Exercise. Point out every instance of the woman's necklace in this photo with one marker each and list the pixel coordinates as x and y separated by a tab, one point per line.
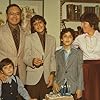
91	43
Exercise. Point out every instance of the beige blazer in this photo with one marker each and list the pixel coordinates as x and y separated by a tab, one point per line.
33	49
8	49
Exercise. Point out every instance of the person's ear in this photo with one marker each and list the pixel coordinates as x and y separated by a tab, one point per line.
61	39
1	71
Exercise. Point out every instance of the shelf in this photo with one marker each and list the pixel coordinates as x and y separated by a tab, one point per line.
66	20
82	1
71	10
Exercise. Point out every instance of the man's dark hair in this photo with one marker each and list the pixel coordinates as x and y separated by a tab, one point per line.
12	5
5	62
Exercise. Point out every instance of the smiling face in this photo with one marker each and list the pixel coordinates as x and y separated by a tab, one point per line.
13	15
67	39
8	70
39	26
86	27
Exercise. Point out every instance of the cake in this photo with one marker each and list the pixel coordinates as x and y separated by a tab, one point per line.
58	97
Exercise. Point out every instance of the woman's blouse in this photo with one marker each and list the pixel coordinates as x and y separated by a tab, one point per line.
89	45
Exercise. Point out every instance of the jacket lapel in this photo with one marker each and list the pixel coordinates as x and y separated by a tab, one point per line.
21	41
47	45
62	58
47	41
37	42
9	39
70	58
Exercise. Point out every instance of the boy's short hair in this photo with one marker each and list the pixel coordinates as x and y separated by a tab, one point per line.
5	62
65	30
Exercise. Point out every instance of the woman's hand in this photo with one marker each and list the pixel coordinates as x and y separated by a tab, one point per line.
37	62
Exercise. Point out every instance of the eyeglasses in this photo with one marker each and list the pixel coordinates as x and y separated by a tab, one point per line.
14	14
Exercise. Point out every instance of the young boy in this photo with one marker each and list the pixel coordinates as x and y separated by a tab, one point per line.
12	86
69	65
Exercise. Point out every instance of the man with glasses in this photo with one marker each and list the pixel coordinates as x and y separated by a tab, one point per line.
12	41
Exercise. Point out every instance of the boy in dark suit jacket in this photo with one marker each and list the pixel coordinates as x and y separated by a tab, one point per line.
69	65
12	86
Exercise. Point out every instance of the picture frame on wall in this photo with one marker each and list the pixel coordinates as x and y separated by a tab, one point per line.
35	6
3	7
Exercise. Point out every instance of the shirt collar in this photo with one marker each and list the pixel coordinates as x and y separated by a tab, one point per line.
12	28
9	80
66	50
94	35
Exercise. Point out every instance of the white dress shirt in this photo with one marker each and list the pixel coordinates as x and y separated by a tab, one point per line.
89	45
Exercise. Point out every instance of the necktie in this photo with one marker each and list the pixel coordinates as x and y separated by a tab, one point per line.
16	37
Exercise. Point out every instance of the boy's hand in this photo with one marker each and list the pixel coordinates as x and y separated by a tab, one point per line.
2	77
50	80
56	87
78	94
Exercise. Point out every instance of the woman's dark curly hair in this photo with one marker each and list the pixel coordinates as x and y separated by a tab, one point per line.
91	18
33	19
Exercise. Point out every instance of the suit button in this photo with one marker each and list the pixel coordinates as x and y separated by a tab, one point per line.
65	71
11	93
